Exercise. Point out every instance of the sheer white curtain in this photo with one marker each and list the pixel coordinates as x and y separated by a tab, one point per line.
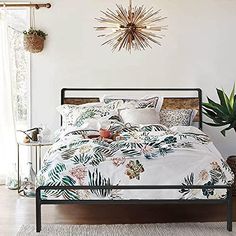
8	149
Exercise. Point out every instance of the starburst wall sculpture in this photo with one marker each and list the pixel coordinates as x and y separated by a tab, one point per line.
132	28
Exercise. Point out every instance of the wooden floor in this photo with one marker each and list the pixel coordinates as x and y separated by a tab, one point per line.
15	211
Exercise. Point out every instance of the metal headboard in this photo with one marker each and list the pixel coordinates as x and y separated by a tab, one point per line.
169	101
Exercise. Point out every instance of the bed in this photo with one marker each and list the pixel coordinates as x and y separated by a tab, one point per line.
147	164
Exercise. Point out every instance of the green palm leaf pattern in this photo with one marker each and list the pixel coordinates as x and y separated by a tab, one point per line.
188	181
131	145
96	179
228	169
150	128
217	175
68	153
97	159
66	194
77	143
89	113
131	152
67	181
105	151
46	165
70	195
55	173
82	159
52	193
201	138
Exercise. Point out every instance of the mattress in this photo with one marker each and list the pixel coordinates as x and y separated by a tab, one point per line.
142	155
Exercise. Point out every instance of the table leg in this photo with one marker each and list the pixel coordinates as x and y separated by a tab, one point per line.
18	167
36	158
40	156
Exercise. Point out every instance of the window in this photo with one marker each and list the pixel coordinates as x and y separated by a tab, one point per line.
19	20
20	65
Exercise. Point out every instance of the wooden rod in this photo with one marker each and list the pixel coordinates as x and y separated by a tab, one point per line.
36	5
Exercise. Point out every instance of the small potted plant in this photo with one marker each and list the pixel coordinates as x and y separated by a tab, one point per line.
34	40
223	114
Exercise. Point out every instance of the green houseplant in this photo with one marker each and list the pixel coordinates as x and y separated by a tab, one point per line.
222	113
34	40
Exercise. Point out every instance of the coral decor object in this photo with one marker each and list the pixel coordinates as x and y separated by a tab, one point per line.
104	133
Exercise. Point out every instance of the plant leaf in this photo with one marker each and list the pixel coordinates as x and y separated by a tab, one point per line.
213	116
217	108
228	128
234	108
231	99
216	125
224	100
209	112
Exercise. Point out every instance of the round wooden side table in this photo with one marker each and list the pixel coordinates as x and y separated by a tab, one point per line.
232	163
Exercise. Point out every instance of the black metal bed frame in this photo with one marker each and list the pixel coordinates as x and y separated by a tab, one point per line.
227	200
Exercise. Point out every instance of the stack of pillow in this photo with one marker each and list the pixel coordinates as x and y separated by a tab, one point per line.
144	111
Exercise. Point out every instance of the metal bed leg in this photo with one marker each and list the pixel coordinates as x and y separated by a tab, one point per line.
229	210
38	211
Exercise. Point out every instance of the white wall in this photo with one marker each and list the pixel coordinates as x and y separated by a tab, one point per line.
198	51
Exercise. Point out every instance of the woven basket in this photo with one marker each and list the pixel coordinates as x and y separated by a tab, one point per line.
33	43
232	163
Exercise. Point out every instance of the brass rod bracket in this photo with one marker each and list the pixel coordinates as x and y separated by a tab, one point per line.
35	5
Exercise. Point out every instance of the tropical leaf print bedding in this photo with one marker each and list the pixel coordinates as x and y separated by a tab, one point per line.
143	155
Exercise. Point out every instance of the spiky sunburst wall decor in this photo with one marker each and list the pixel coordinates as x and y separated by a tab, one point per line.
132	28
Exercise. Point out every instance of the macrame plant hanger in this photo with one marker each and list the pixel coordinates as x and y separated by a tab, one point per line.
32	18
34	38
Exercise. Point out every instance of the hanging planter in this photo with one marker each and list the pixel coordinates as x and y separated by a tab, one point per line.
34	40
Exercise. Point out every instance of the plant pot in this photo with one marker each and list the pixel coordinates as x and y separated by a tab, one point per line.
232	163
33	43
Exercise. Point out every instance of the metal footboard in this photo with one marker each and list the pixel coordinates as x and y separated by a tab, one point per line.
227	200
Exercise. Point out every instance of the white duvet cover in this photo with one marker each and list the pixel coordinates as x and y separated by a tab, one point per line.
143	155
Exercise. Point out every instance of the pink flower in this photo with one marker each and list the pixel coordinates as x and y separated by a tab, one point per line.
203	175
79	172
117	161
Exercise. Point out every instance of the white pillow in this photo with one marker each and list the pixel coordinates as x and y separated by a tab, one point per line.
145	116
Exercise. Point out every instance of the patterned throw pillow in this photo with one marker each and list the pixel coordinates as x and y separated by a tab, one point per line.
180	117
68	112
126	103
77	115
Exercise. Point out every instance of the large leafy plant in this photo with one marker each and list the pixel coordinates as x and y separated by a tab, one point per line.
223	113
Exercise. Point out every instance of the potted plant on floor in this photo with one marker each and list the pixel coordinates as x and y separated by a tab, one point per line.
223	114
34	40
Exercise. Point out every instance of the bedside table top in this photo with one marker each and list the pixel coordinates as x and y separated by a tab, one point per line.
33	144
